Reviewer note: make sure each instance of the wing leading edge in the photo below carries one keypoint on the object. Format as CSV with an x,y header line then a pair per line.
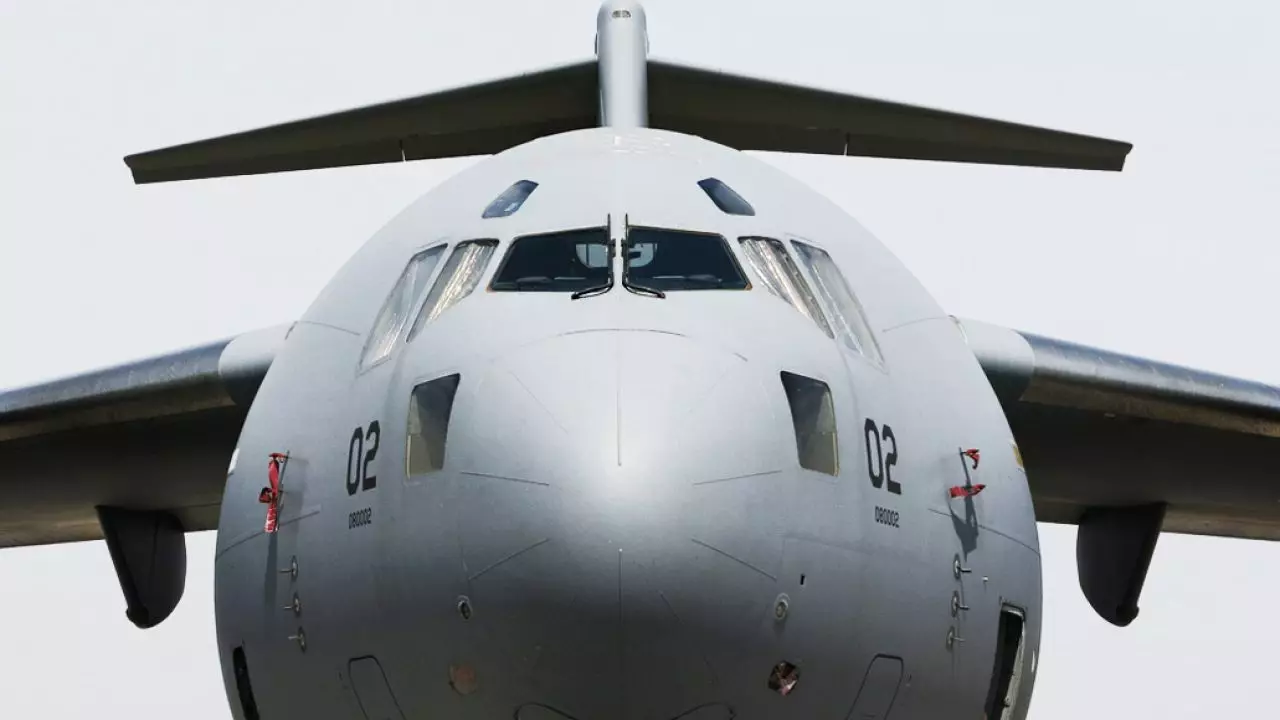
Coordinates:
x,y
156,434
1099,430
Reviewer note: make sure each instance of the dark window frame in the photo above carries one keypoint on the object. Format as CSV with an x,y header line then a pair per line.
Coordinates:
x,y
510,250
724,244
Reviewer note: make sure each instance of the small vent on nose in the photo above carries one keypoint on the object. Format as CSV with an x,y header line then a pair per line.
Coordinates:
x,y
429,412
814,419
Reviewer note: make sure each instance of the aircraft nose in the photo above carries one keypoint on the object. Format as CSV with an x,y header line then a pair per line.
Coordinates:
x,y
604,567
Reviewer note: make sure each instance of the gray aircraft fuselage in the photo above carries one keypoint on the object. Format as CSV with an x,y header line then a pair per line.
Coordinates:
x,y
620,525
510,495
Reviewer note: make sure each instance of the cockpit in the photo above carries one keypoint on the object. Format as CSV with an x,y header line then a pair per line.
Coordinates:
x,y
568,261
587,262
655,260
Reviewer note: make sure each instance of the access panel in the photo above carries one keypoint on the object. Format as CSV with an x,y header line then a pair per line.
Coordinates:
x,y
371,689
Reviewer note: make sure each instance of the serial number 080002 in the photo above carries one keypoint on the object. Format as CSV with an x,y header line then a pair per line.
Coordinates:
x,y
885,516
359,518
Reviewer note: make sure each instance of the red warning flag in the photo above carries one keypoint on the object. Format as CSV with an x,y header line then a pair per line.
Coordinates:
x,y
270,496
966,490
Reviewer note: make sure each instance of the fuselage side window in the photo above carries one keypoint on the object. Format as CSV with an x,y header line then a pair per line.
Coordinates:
x,y
846,312
566,262
459,276
673,260
399,306
771,262
430,408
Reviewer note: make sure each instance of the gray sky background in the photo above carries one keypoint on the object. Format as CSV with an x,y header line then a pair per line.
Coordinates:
x,y
1173,259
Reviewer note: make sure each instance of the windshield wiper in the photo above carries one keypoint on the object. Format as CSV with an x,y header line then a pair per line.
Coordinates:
x,y
641,289
626,273
593,290
597,289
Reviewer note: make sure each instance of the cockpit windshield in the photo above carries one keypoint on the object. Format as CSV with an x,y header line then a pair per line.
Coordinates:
x,y
668,260
566,261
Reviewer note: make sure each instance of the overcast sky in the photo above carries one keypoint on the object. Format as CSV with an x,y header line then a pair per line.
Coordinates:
x,y
1174,259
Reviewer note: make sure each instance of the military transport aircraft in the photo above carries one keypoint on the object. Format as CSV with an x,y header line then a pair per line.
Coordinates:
x,y
625,423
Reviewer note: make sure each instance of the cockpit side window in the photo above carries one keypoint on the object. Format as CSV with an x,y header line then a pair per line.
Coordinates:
x,y
846,312
771,262
672,260
458,278
566,261
399,305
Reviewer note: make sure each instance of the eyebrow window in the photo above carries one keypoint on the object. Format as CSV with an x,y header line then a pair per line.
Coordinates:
x,y
510,200
725,198
566,261
846,312
399,305
679,260
771,262
457,279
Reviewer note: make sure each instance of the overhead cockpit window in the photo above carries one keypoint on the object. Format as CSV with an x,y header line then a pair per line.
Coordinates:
x,y
771,262
669,260
814,417
399,306
510,200
430,408
846,312
566,261
458,277
725,198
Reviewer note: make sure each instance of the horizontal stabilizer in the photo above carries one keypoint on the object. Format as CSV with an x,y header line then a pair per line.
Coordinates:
x,y
478,119
733,110
758,114
154,435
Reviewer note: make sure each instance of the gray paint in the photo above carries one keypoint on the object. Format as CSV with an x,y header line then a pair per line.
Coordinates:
x,y
1102,429
709,549
622,45
620,500
151,434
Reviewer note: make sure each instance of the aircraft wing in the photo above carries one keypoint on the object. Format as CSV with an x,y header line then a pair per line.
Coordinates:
x,y
156,434
1099,430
